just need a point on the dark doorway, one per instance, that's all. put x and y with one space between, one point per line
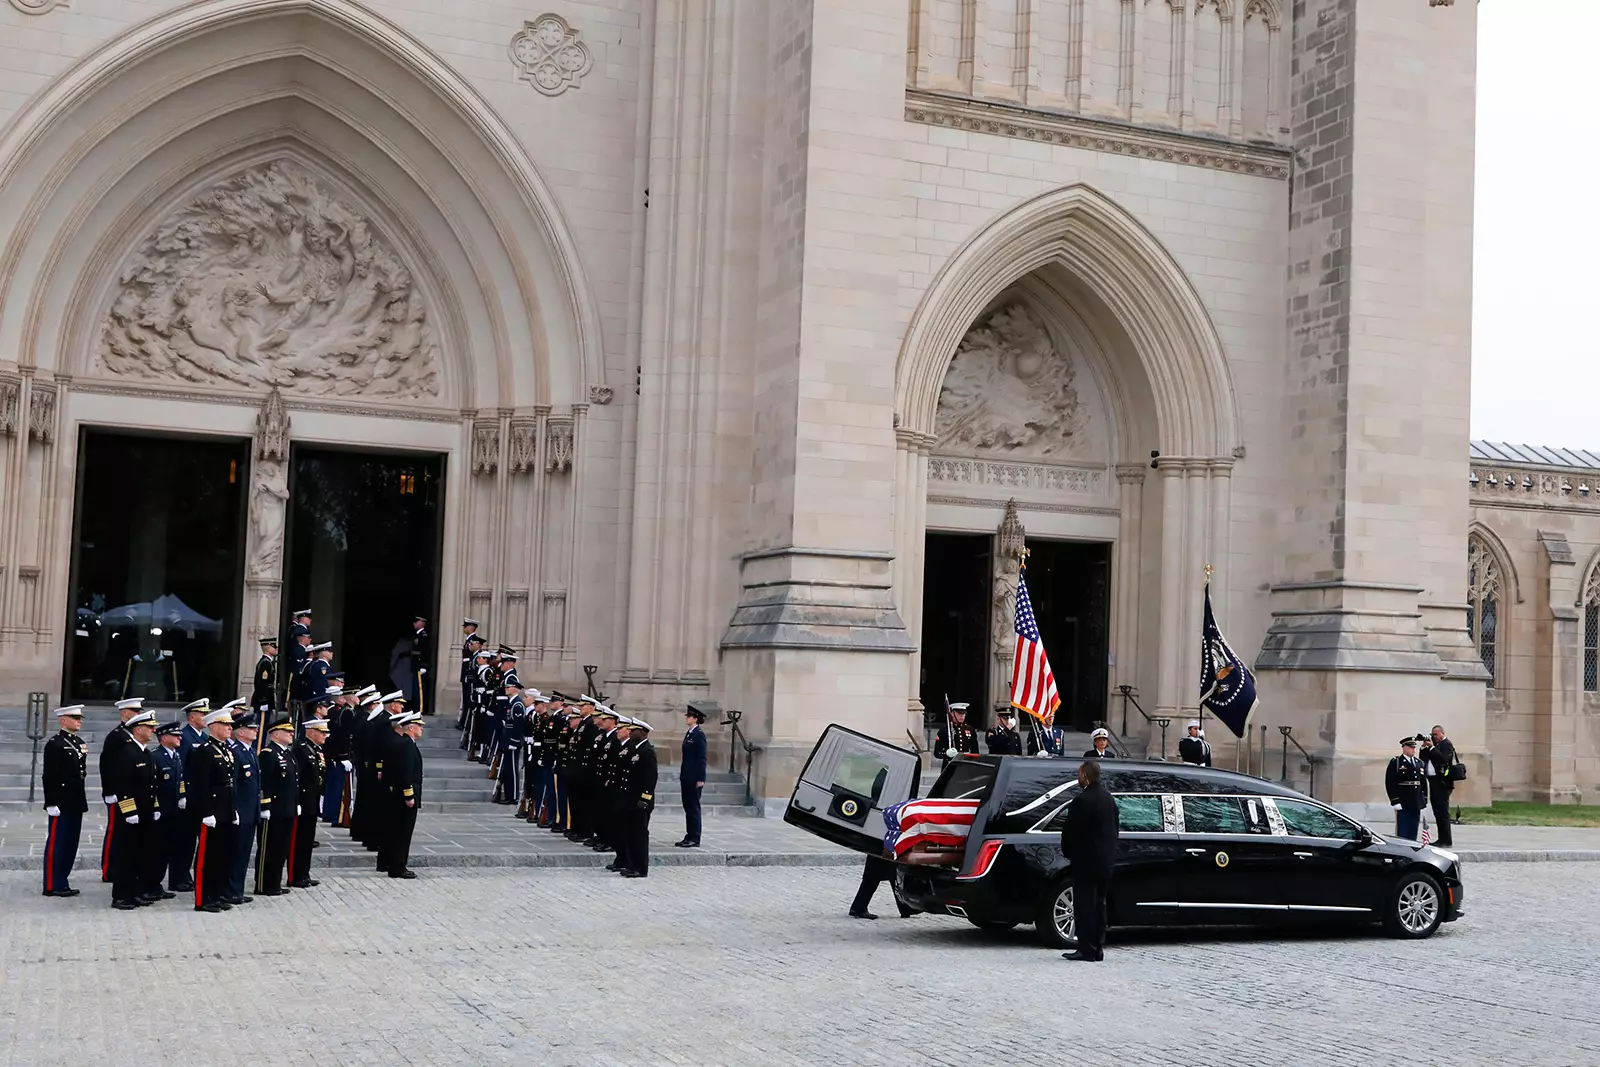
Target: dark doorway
364 538
1070 584
956 644
157 551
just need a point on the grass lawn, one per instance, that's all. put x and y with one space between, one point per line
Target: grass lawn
1526 813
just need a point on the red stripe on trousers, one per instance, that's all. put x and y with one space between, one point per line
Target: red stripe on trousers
105 853
199 868
50 857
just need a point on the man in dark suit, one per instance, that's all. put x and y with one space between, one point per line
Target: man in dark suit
1438 757
1089 842
692 776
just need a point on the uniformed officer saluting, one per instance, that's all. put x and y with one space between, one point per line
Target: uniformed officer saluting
280 807
1407 786
66 767
210 795
1002 738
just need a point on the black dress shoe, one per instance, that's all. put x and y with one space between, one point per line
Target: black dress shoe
686 843
69 892
214 908
164 895
241 900
148 898
125 905
306 883
1087 957
224 905
184 887
613 867
634 874
407 873
316 844
862 915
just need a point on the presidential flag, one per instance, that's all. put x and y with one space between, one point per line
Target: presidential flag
1033 687
934 821
1227 687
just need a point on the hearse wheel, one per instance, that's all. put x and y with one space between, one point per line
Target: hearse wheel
1054 918
1415 907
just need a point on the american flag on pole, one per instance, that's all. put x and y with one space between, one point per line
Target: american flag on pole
927 822
1033 687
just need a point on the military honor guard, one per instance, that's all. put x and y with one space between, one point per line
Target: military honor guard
264 683
129 777
1406 782
421 656
403 782
170 791
470 643
210 793
1194 748
513 729
280 807
956 737
311 767
638 800
692 775
339 754
66 769
180 878
117 739
1002 738
246 805
374 735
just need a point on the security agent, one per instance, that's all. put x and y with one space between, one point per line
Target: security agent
692 775
246 768
280 807
1100 744
1438 761
66 768
956 737
311 768
170 792
117 739
638 801
264 686
1002 738
210 792
130 777
1407 786
1195 749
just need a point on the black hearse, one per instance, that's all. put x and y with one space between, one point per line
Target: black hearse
1199 846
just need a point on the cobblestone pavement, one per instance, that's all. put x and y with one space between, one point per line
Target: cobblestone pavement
761 967
499 840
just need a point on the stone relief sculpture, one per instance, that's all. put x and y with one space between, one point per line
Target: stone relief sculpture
1010 392
268 278
269 502
558 446
1012 539
42 412
550 55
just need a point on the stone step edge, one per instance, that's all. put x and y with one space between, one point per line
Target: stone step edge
665 856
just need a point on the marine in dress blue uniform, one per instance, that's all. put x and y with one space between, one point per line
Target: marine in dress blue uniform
1405 780
210 792
246 806
692 776
66 768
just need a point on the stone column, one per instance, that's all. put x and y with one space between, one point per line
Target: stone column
1129 564
1169 648
1558 681
1010 540
269 513
911 525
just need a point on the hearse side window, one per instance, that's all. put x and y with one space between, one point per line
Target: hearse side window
1139 814
1223 815
1310 820
963 778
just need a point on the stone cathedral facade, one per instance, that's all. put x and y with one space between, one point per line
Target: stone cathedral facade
733 347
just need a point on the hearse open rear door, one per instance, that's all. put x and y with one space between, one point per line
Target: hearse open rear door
848 781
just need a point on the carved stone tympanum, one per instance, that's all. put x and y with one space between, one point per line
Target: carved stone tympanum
1009 392
270 278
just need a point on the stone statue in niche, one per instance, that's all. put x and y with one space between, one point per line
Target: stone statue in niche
268 278
1009 392
269 502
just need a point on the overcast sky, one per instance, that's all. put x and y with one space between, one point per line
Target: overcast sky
1536 291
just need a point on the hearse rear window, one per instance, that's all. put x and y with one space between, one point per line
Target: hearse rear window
964 778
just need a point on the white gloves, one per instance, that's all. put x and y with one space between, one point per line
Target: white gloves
266 814
133 820
297 809
951 753
236 818
319 805
1396 807
183 802
156 816
422 670
110 799
210 820
52 811
348 766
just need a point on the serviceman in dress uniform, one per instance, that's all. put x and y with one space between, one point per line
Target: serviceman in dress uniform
1002 738
299 640
181 876
470 643
339 754
421 656
403 781
117 738
372 735
616 786
692 775
210 793
1407 785
1195 748
246 768
311 768
66 769
605 791
1099 744
638 799
127 777
955 737
566 760
315 674
170 792
486 683
264 687
513 729
280 807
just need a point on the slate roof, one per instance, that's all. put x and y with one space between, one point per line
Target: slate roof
1539 455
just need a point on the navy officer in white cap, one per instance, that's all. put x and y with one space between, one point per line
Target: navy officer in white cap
1194 748
66 767
1100 744
117 739
130 778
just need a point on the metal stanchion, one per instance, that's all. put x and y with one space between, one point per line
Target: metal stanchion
1163 723
36 703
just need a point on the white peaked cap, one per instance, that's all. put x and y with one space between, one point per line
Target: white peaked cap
131 702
